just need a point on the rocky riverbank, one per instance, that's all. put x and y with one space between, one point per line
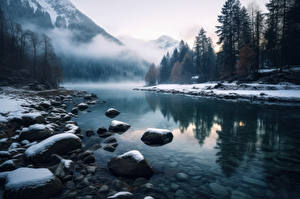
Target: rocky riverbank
43 156
254 92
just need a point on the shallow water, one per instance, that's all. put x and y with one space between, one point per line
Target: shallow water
227 149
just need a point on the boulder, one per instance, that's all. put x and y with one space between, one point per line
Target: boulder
24 183
109 147
82 106
58 144
159 137
119 127
111 113
72 128
89 133
101 130
105 135
8 165
131 165
64 168
74 111
36 132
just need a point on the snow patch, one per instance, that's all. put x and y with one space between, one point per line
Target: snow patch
158 131
120 194
134 154
43 145
115 123
28 177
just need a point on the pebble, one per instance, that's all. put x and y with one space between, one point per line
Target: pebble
103 189
181 176
174 186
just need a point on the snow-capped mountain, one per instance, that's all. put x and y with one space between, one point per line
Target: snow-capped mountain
166 42
54 13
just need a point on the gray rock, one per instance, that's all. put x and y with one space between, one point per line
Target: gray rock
111 113
89 159
74 111
36 132
109 147
131 164
65 167
110 140
38 183
82 106
8 165
89 133
103 189
58 144
118 127
101 130
174 186
157 137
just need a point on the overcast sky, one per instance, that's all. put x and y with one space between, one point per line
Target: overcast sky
149 19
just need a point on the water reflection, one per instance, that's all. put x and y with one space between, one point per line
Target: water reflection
242 131
252 149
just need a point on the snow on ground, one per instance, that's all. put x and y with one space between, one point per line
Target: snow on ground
134 154
12 105
282 92
9 104
27 177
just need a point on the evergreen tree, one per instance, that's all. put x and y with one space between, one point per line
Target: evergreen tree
293 34
233 32
164 73
204 57
151 76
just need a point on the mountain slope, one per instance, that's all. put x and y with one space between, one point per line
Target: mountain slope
48 14
166 42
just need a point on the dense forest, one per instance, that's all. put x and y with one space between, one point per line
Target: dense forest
249 40
26 57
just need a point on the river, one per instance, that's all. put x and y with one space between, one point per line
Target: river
226 149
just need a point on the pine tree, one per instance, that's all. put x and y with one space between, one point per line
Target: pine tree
151 76
204 57
234 33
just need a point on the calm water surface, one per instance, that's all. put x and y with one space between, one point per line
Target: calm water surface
227 149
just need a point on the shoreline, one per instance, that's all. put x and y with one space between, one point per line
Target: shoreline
40 142
254 93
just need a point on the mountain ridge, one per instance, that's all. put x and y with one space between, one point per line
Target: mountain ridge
48 14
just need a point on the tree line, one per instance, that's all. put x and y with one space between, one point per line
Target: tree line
26 56
249 40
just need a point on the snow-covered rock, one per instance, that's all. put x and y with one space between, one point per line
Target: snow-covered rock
112 113
82 106
8 165
57 144
64 168
36 132
72 128
24 183
121 195
131 164
154 136
117 126
4 154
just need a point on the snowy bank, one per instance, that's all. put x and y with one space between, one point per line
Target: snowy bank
284 92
